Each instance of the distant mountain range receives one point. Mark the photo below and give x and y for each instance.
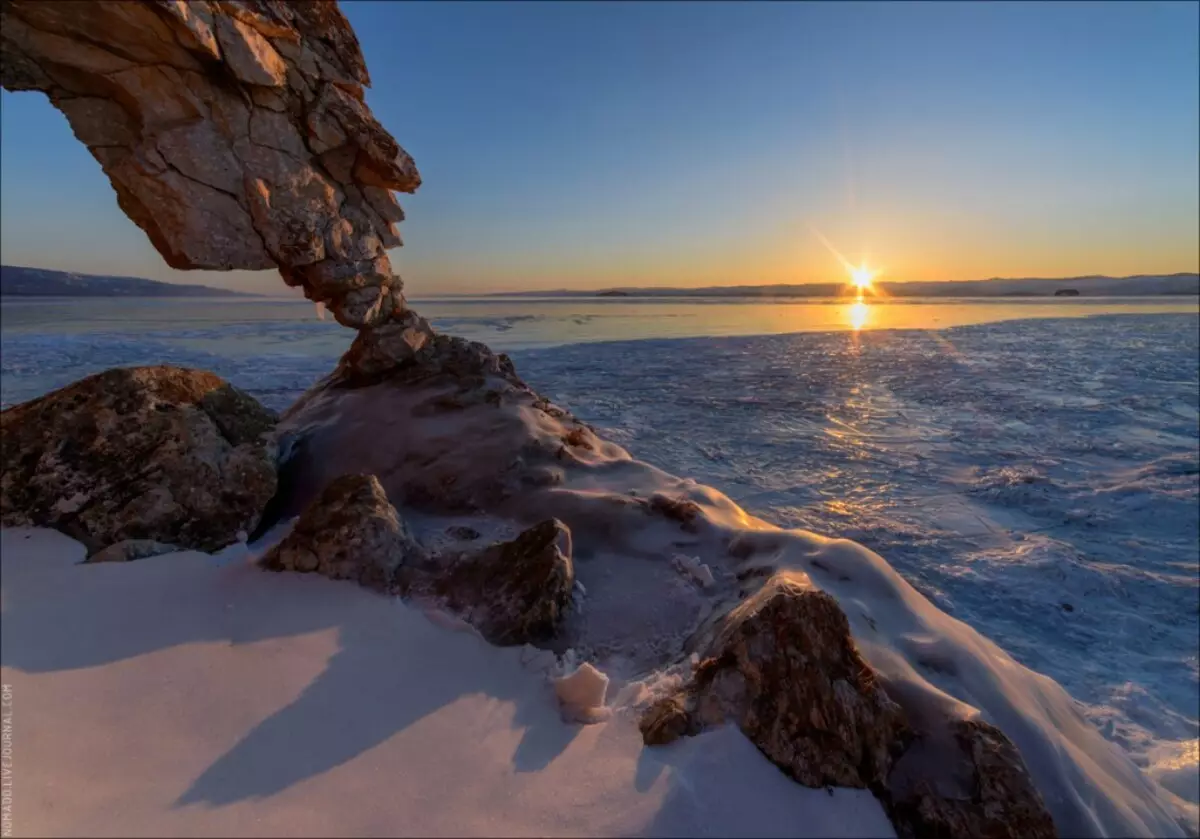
(16, 281)
(1142, 285)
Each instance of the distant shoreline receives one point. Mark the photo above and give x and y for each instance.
(1141, 285)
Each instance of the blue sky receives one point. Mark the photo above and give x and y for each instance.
(586, 145)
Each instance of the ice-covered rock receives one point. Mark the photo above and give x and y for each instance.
(350, 532)
(146, 453)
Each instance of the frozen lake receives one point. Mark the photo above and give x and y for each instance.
(1032, 466)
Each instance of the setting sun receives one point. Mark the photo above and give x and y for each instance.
(861, 277)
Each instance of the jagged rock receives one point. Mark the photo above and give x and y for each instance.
(981, 788)
(350, 533)
(382, 348)
(513, 592)
(234, 133)
(665, 721)
(784, 668)
(161, 453)
(130, 550)
(391, 419)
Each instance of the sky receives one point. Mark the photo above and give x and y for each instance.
(588, 145)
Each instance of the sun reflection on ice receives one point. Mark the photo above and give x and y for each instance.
(858, 313)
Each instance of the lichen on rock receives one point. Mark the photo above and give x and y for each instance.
(146, 453)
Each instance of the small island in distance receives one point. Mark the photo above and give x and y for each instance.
(17, 281)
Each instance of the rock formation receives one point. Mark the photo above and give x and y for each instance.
(160, 453)
(233, 131)
(513, 592)
(784, 667)
(982, 789)
(350, 533)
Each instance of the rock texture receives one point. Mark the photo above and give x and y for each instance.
(350, 533)
(982, 788)
(513, 592)
(784, 667)
(449, 429)
(160, 453)
(233, 131)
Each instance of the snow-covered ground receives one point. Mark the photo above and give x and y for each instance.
(189, 695)
(1035, 479)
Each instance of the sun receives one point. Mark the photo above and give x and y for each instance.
(861, 277)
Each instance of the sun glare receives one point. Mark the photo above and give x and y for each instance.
(861, 277)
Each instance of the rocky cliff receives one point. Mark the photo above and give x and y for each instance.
(233, 131)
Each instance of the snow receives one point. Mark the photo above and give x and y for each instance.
(581, 693)
(694, 568)
(193, 695)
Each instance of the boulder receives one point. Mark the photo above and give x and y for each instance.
(512, 592)
(160, 453)
(978, 786)
(784, 668)
(350, 533)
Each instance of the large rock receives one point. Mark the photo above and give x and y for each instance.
(979, 786)
(445, 423)
(513, 592)
(160, 453)
(234, 133)
(350, 533)
(784, 668)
